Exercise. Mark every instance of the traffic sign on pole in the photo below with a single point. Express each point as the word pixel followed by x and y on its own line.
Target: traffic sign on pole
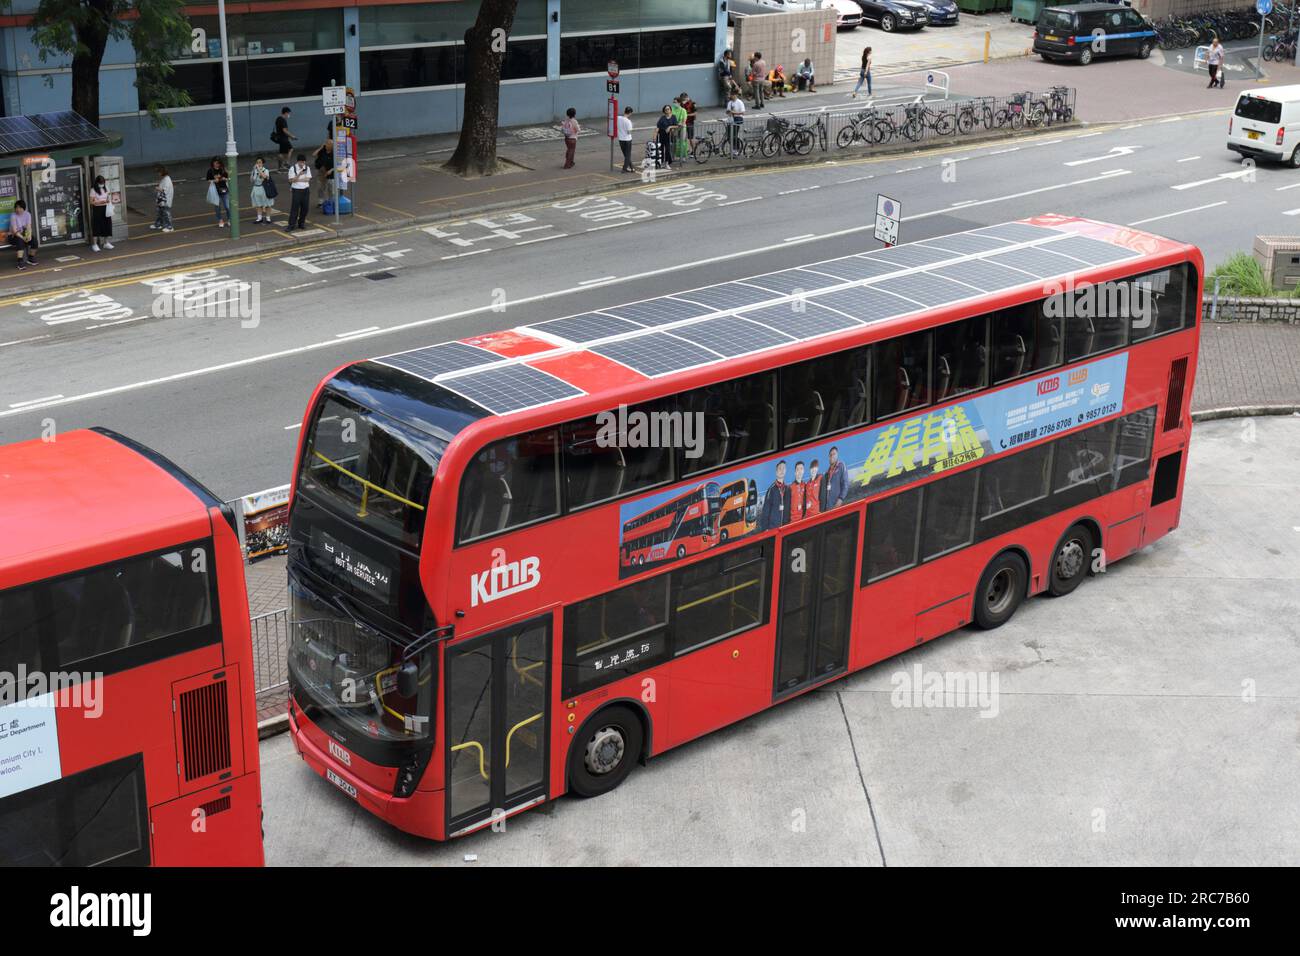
pixel 889 213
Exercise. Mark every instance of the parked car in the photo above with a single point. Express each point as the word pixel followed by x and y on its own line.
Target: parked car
pixel 893 15
pixel 940 13
pixel 848 13
pixel 1081 31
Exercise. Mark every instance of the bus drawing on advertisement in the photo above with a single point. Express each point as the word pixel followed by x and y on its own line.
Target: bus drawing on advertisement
pixel 898 443
pixel 128 729
pixel 686 524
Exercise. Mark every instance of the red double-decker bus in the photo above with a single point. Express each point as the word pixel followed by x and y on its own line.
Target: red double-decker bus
pixel 128 734
pixel 684 525
pixel 934 432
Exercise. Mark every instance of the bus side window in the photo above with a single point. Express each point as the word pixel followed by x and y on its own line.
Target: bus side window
pixel 824 395
pixel 902 374
pixel 1083 456
pixel 961 358
pixel 1160 302
pixel 510 483
pixel 949 517
pixel 739 419
pixel 892 534
pixel 20 625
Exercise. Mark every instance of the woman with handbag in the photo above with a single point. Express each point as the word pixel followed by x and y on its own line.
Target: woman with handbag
pixel 101 216
pixel 263 190
pixel 219 191
pixel 164 192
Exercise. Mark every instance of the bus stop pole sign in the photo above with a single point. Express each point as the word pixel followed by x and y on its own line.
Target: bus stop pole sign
pixel 889 213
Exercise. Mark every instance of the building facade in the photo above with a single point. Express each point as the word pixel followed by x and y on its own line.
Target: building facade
pixel 406 62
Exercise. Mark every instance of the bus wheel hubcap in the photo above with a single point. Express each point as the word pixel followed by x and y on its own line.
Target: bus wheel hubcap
pixel 1070 560
pixel 605 751
pixel 999 592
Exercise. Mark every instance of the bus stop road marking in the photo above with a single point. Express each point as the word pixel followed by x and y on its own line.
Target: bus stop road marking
pixel 1182 212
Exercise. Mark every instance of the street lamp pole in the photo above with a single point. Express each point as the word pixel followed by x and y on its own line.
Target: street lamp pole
pixel 232 156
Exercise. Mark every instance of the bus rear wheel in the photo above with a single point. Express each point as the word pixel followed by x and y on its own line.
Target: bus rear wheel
pixel 1000 591
pixel 604 751
pixel 1070 561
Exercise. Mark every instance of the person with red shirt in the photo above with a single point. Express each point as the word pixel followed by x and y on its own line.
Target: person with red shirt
pixel 798 490
pixel 812 491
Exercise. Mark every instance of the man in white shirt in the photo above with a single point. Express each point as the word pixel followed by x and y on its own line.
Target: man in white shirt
pixel 625 138
pixel 299 192
pixel 735 116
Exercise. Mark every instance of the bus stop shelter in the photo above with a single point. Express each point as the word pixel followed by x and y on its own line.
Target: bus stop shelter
pixel 49 160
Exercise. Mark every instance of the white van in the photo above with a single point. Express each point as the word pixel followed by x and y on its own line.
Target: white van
pixel 1266 124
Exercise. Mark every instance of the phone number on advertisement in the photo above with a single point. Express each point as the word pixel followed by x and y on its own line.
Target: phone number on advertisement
pixel 1056 426
pixel 1099 411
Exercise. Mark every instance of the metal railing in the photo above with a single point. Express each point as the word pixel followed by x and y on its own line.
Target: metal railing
pixel 270 651
pixel 876 123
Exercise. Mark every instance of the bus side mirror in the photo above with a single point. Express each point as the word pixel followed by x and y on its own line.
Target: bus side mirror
pixel 408 679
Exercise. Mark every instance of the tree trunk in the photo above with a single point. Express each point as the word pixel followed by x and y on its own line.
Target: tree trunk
pixel 476 152
pixel 92 37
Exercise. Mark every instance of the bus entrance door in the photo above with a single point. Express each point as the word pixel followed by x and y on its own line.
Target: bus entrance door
pixel 497 688
pixel 815 605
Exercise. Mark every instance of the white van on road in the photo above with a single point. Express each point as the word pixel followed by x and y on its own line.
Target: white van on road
pixel 1266 124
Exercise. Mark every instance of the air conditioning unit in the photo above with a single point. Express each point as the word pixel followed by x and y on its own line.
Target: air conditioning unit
pixel 1279 258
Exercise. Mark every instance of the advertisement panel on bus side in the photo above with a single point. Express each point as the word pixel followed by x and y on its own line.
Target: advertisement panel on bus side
pixel 816 478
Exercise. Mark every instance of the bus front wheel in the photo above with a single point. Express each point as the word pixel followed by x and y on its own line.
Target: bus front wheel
pixel 1000 591
pixel 604 751
pixel 1070 561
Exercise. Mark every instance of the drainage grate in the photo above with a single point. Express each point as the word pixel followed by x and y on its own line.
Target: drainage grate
pixel 376 276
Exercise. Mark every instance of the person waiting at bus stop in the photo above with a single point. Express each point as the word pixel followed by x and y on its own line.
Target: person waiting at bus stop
pixel 22 234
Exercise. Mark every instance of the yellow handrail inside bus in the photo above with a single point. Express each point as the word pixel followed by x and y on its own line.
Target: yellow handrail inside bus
pixel 482 772
pixel 523 672
pixel 714 597
pixel 522 723
pixel 368 486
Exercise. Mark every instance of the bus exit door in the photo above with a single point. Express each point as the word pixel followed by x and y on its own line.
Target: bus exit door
pixel 497 687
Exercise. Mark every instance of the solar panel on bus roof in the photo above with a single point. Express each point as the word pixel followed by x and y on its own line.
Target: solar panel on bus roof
pixel 435 360
pixel 586 327
pixel 855 267
pixel 658 311
pixel 866 303
pixel 1039 262
pixel 726 295
pixel 806 322
pixel 964 243
pixel 511 388
pixel 1017 232
pixel 926 288
pixel 1092 251
pixel 731 335
pixel 908 256
pixel 794 280
pixel 984 275
pixel 657 353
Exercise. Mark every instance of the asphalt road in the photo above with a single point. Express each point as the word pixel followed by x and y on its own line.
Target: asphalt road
pixel 1161 733
pixel 224 400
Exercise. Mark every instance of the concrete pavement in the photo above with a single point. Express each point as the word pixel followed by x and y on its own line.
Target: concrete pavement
pixel 1161 732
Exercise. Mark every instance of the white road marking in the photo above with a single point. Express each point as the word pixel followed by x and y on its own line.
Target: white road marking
pixel 34 401
pixel 855 179
pixel 1131 126
pixel 679 212
pixel 1188 159
pixel 303 285
pixel 1047 142
pixel 1292 212
pixel 1181 212
pixel 737 202
pixel 290 428
pixel 1239 174
pixel 1115 153
pixel 496 307
pixel 1089 135
pixel 461 255
pixel 348 335
pixel 1292 186
pixel 591 281
pixel 806 235
pixel 67 258
pixel 608 225
pixel 34 338
pixel 558 235
pixel 999 152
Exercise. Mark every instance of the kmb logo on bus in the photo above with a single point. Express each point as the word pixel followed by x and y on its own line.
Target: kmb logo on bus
pixel 1049 385
pixel 1078 376
pixel 503 579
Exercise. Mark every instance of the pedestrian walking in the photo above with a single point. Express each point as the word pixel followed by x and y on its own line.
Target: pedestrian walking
pixel 22 234
pixel 1214 60
pixel 625 138
pixel 680 146
pixel 219 191
pixel 727 72
pixel 665 127
pixel 101 216
pixel 571 129
pixel 259 180
pixel 299 193
pixel 282 138
pixel 864 73
pixel 163 194
pixel 736 119
pixel 758 77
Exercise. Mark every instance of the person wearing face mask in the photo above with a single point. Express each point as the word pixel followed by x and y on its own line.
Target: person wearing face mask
pixel 101 216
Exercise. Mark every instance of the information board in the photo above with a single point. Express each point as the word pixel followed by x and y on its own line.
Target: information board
pixel 59 206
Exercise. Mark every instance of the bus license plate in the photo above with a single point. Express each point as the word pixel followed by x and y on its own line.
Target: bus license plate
pixel 342 784
pixel 1252 133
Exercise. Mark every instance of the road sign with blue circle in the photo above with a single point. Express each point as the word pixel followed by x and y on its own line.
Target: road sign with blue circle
pixel 1263 7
